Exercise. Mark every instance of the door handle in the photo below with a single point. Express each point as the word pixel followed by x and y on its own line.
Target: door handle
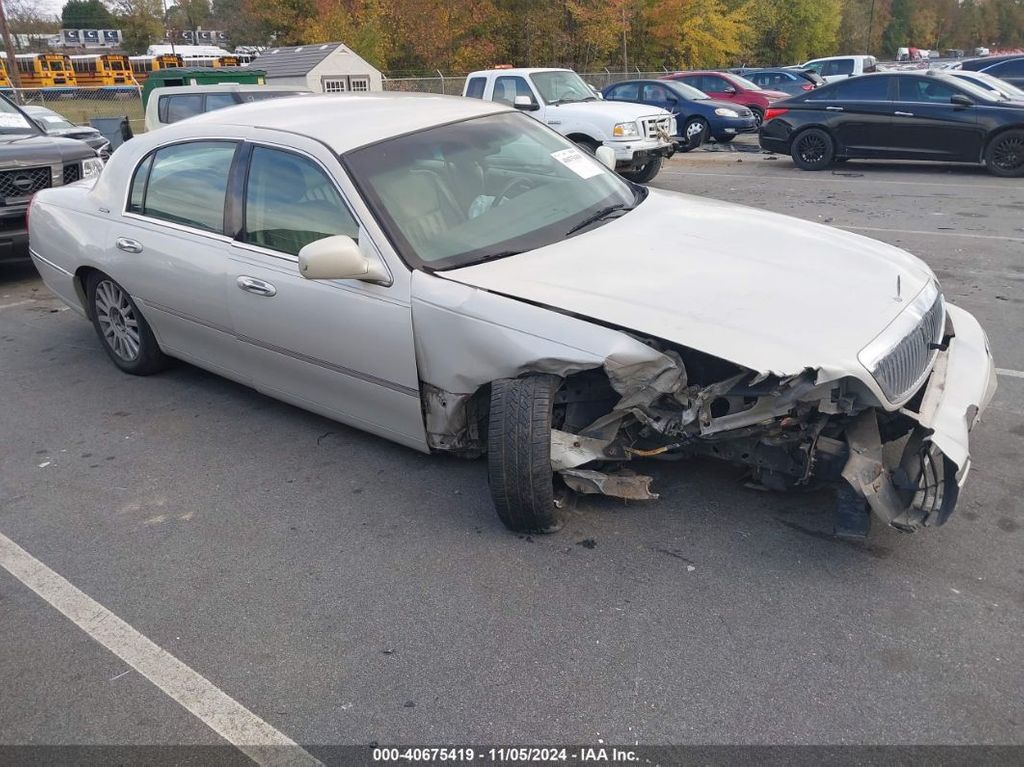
pixel 833 109
pixel 128 246
pixel 904 114
pixel 259 287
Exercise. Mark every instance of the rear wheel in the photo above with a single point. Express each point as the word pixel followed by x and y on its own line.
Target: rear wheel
pixel 644 173
pixel 1004 155
pixel 519 453
pixel 813 149
pixel 123 331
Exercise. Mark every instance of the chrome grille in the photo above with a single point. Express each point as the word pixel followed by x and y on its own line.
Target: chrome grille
pixel 72 172
pixel 23 182
pixel 903 368
pixel 652 125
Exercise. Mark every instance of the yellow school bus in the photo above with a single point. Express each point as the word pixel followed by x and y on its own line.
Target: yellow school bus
pixel 44 70
pixel 212 61
pixel 143 66
pixel 5 81
pixel 102 69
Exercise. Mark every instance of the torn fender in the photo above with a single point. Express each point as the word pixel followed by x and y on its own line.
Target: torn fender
pixel 467 337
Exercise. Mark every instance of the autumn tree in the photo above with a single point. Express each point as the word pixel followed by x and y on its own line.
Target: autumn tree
pixel 86 14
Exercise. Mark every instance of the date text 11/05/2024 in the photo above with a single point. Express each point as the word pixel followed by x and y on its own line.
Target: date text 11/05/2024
pixel 500 755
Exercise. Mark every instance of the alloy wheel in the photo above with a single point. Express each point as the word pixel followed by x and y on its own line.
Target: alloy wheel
pixel 1008 154
pixel 116 316
pixel 812 148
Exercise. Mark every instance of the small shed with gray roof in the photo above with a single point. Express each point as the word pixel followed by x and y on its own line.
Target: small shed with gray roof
pixel 321 67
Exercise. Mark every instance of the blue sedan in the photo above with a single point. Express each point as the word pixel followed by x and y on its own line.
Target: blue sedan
pixel 698 116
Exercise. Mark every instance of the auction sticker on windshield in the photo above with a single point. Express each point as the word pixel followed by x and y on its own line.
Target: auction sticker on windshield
pixel 577 162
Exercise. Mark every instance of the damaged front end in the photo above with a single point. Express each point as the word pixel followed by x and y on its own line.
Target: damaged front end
pixel 648 398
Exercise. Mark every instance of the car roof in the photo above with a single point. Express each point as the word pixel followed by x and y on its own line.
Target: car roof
pixel 221 87
pixel 517 71
pixel 36 109
pixel 368 117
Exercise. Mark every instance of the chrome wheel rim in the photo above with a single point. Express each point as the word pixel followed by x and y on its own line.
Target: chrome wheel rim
pixel 1008 154
pixel 118 323
pixel 758 118
pixel 812 148
pixel 693 130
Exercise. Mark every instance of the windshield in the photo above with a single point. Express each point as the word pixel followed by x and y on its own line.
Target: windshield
pixel 996 84
pixel 13 121
pixel 484 188
pixel 561 87
pixel 747 84
pixel 688 92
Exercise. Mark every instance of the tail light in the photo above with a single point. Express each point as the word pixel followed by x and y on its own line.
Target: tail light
pixel 807 87
pixel 772 112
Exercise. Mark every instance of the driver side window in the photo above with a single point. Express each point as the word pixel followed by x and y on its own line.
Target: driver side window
pixel 508 87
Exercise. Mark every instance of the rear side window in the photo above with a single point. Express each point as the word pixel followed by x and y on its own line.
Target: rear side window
pixel 175 108
pixel 290 202
pixel 627 92
pixel 186 184
pixel 219 101
pixel 863 89
pixel 475 87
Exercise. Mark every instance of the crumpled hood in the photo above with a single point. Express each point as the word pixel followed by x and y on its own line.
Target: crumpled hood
pixel 617 111
pixel 26 151
pixel 767 291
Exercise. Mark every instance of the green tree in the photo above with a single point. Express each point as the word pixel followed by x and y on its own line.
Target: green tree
pixel 792 31
pixel 897 32
pixel 86 14
pixel 141 23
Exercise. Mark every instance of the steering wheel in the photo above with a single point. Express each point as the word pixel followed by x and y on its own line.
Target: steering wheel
pixel 505 190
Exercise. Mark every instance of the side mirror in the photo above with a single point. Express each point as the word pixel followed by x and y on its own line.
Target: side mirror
pixel 728 89
pixel 525 103
pixel 960 100
pixel 339 258
pixel 606 156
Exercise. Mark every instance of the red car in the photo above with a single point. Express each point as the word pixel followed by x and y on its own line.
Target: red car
pixel 725 86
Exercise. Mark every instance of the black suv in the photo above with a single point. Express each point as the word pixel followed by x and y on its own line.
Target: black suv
pixel 29 161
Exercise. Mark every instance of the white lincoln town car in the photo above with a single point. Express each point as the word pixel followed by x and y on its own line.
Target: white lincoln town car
pixel 457 277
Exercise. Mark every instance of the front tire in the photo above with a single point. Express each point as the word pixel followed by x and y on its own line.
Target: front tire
pixel 126 336
pixel 695 133
pixel 813 149
pixel 1004 155
pixel 645 173
pixel 758 116
pixel 519 453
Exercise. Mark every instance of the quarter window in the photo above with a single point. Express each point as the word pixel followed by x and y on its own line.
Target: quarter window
pixel 290 202
pixel 186 184
pixel 138 193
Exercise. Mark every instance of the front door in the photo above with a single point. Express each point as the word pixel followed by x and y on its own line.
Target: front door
pixel 927 126
pixel 342 348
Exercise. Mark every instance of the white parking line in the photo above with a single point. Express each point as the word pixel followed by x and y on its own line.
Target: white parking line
pixel 18 303
pixel 1010 373
pixel 931 233
pixel 217 710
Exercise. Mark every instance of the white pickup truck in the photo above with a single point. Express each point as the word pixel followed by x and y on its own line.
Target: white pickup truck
pixel 640 136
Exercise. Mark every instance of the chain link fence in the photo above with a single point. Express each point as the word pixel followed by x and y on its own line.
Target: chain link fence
pixel 452 85
pixel 80 105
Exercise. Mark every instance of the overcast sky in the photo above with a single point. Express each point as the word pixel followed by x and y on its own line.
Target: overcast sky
pixel 50 7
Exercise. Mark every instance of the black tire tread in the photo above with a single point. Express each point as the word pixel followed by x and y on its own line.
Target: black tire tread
pixel 646 173
pixel 519 452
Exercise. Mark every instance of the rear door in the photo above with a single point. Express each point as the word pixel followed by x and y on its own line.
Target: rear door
pixel 927 126
pixel 858 113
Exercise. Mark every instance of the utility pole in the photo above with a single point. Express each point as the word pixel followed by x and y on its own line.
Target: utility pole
pixel 871 24
pixel 625 68
pixel 12 61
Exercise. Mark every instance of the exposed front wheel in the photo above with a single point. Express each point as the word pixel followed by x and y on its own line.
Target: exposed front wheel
pixel 695 132
pixel 758 116
pixel 519 453
pixel 644 173
pixel 813 149
pixel 123 331
pixel 1004 155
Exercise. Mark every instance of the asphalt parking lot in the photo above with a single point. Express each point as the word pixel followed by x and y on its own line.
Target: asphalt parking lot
pixel 347 590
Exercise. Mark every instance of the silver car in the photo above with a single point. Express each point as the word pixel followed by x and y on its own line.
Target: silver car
pixel 455 276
